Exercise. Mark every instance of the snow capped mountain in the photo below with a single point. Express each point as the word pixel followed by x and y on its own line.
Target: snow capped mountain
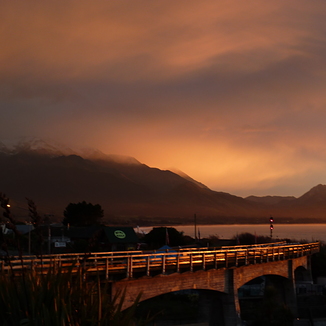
pixel 35 145
pixel 50 147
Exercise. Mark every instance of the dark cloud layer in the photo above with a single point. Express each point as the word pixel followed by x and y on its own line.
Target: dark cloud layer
pixel 230 92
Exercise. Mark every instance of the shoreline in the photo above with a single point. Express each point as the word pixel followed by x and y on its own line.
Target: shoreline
pixel 218 223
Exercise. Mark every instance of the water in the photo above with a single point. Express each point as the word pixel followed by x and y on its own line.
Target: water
pixel 309 232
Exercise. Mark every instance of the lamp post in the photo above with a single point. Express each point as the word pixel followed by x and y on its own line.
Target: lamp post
pixel 271 226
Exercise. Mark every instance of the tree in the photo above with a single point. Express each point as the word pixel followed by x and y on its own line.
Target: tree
pixel 82 214
pixel 161 235
pixel 247 238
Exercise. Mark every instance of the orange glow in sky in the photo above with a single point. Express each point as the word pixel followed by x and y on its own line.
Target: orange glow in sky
pixel 230 92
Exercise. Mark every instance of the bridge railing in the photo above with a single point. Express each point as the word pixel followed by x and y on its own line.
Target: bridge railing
pixel 137 263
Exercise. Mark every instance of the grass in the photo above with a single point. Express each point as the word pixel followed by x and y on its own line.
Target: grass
pixel 58 299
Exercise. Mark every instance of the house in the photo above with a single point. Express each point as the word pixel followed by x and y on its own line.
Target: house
pixel 104 238
pixel 62 239
pixel 119 238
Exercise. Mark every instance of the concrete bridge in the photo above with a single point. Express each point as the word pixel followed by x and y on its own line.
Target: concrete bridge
pixel 222 270
pixel 225 271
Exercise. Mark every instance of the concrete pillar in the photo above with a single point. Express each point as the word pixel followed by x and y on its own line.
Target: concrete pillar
pixel 231 305
pixel 290 290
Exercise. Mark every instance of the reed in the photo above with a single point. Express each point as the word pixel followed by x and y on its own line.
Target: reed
pixel 60 298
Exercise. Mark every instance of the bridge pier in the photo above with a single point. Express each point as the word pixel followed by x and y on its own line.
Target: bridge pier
pixel 231 312
pixel 220 305
pixel 231 303
pixel 290 288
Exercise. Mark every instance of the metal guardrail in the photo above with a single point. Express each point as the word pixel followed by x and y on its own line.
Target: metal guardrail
pixel 138 263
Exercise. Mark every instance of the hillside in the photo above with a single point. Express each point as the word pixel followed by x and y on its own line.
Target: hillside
pixel 308 208
pixel 132 192
pixel 124 187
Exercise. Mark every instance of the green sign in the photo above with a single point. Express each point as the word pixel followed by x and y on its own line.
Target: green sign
pixel 119 234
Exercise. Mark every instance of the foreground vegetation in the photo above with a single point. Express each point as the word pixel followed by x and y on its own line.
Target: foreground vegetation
pixel 60 299
pixel 55 297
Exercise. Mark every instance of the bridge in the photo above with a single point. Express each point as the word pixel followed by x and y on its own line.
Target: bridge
pixel 224 270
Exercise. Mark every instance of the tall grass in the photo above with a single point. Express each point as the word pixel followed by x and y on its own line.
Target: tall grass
pixel 59 298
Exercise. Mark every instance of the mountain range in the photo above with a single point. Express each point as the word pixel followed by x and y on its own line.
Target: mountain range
pixel 130 192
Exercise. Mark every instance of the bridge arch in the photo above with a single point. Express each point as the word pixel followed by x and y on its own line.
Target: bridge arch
pixel 151 287
pixel 302 275
pixel 245 274
pixel 204 306
pixel 289 269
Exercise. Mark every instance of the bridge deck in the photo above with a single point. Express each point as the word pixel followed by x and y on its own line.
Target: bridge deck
pixel 139 263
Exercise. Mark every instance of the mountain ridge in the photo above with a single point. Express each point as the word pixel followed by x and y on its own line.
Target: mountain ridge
pixel 130 191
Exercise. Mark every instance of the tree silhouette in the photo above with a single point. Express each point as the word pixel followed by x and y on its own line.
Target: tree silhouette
pixel 160 236
pixel 82 214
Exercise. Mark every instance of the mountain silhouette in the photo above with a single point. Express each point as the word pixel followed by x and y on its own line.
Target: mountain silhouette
pixel 132 192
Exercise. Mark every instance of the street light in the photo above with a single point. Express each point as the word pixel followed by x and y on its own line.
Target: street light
pixel 271 226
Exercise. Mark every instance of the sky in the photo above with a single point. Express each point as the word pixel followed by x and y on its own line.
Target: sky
pixel 230 92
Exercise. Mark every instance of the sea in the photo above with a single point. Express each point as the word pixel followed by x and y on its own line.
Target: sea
pixel 306 232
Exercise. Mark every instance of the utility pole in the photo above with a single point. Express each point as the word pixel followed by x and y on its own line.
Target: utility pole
pixel 195 222
pixel 49 240
pixel 29 237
